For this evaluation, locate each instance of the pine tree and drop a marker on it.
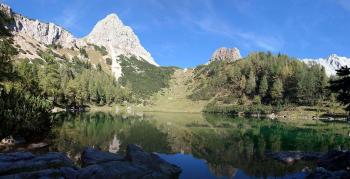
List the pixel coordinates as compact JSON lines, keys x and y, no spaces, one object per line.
{"x":263,"y":87}
{"x":277,"y":90}
{"x":342,"y":86}
{"x":251,"y":83}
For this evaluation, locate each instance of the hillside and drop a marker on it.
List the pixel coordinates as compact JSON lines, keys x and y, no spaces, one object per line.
{"x":175,"y":98}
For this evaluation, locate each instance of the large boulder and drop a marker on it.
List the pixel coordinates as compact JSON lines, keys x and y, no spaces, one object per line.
{"x":321,"y":173}
{"x":91,"y":156}
{"x":333,"y":164}
{"x":139,"y":157}
{"x":335,"y":160}
{"x":27,"y":165}
{"x":114,"y":169}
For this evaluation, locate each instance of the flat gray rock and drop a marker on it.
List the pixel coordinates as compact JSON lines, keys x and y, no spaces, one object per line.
{"x":26,"y":162}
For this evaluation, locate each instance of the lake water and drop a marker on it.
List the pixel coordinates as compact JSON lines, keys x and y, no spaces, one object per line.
{"x":204,"y":146}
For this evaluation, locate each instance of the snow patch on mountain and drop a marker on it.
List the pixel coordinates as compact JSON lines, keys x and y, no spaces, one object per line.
{"x":330,"y":64}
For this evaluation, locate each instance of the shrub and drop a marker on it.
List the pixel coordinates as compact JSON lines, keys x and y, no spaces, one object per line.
{"x":23,"y":114}
{"x":108,"y":61}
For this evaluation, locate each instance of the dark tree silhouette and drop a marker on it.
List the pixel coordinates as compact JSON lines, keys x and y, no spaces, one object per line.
{"x":341,"y":86}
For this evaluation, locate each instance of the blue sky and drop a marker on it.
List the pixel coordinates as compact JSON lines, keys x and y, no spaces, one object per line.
{"x":186,"y":32}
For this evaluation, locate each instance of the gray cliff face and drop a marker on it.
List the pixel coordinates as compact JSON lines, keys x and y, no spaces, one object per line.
{"x":46,"y":33}
{"x":110,"y":32}
{"x":118,"y":39}
{"x":223,"y":53}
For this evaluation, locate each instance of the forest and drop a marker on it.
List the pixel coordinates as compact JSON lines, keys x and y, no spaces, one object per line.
{"x":261,"y":80}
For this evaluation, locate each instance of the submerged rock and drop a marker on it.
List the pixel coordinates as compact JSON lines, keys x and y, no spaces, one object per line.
{"x":333,"y":164}
{"x":289,"y":157}
{"x":335,"y":160}
{"x":321,"y":173}
{"x":37,"y":145}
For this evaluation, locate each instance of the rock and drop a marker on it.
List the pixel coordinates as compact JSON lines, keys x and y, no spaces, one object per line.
{"x":114,"y":169}
{"x":12,"y":140}
{"x":289,"y":157}
{"x":118,"y":39}
{"x":231,"y":54}
{"x":109,"y":32}
{"x":63,"y":172}
{"x":25,"y":162}
{"x":333,"y":164}
{"x":92,"y":156}
{"x":47,"y":33}
{"x":37,"y":145}
{"x":321,"y":173}
{"x":17,"y":156}
{"x":335,"y":160}
{"x":97,"y":164}
{"x":330,"y":64}
{"x":137,"y":156}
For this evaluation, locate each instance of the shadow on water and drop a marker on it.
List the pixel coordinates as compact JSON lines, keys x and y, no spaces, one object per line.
{"x":203,"y":145}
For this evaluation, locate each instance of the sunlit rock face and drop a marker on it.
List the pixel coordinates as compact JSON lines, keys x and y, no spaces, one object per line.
{"x":109,"y":32}
{"x":46,"y":33}
{"x":330,"y":64}
{"x":223,"y":53}
{"x":115,"y":36}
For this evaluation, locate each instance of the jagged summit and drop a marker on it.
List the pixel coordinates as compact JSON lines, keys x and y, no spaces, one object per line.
{"x":117,"y":38}
{"x":109,"y":32}
{"x":224,"y":53}
{"x":330,"y":64}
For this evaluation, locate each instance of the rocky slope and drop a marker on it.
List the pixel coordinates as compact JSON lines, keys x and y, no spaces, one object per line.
{"x":31,"y":36}
{"x":224,"y":53}
{"x":331,"y":64}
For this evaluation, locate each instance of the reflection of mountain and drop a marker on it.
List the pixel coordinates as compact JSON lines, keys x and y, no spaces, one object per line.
{"x":114,"y":145}
{"x":225,"y":143}
{"x":223,"y":170}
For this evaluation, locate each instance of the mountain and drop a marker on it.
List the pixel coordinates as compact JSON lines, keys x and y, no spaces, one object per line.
{"x":119,"y":40}
{"x":224,"y":53}
{"x":109,"y":35}
{"x":331,"y":64}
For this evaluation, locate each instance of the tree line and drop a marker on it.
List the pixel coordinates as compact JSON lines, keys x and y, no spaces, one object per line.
{"x":261,"y":78}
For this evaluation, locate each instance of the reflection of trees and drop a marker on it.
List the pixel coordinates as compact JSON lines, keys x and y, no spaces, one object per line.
{"x":226,"y":143}
{"x":146,"y":135}
{"x":244,"y":142}
{"x":75,"y":132}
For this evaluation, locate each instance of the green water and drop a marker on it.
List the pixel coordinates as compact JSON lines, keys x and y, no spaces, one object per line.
{"x":205,"y":146}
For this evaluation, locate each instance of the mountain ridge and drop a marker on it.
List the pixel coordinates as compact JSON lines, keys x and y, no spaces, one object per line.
{"x":330,"y":64}
{"x":34,"y":35}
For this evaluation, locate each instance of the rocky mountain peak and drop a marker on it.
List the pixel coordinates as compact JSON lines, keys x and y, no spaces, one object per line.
{"x":118,"y":39}
{"x":6,"y":9}
{"x":331,"y":63}
{"x":223,"y":53}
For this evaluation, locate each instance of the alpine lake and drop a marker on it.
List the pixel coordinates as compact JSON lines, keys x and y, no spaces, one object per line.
{"x":203,"y":145}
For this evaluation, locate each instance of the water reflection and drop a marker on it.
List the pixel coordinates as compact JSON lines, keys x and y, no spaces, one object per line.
{"x":226,"y":146}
